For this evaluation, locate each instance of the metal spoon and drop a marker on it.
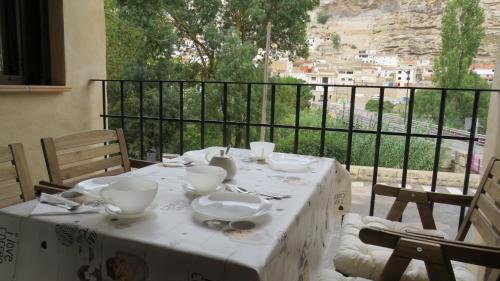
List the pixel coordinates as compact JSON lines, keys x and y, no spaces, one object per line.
{"x":268,"y":196}
{"x":62,"y":205}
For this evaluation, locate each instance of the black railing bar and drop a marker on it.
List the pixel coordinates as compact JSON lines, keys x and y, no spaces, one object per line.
{"x":141,"y":119}
{"x":297,"y":121}
{"x":377,"y":148}
{"x":181,"y":117}
{"x":350,"y":129}
{"x":387,"y":133}
{"x":295,"y":84}
{"x":224,"y":115}
{"x":247,"y":123}
{"x":470,"y":152}
{"x":437,"y":154}
{"x":122,"y":106}
{"x":273,"y":109}
{"x":104,"y":106}
{"x":324,"y":113}
{"x":160,"y":102}
{"x":202,"y":116}
{"x":409,"y":120}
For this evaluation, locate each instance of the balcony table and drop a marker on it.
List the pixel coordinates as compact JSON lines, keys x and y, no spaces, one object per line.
{"x":172,"y":243}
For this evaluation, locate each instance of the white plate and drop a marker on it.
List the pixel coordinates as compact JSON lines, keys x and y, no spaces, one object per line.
{"x":193,"y":190}
{"x":230,"y":206}
{"x":288,"y":162}
{"x":115,"y":212}
{"x":93,"y":186}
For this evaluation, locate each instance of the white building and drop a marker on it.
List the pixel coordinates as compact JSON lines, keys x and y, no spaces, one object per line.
{"x":405,"y":75}
{"x":367,"y":56}
{"x":386,"y":60}
{"x":345,"y":77}
{"x":485,"y":71}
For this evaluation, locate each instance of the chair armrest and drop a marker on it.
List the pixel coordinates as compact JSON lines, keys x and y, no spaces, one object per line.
{"x":482,"y":255}
{"x":134,"y":163}
{"x":423,"y":235}
{"x":420,"y":196}
{"x":50,"y":188}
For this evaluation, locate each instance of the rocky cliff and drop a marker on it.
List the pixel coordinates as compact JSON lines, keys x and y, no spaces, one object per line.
{"x":404,"y":27}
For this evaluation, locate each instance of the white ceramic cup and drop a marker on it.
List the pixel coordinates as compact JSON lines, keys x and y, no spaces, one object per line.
{"x":131,"y":194}
{"x":205,"y":179}
{"x":261,"y":149}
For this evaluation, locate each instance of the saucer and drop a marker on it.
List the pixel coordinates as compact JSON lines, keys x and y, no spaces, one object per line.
{"x":116,"y":212}
{"x":192,"y":189}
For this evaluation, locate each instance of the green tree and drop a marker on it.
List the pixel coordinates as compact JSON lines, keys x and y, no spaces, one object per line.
{"x":142,"y":37}
{"x":461,"y":34}
{"x":322,"y":17}
{"x":372,"y":106}
{"x":335,"y":38}
{"x":203,"y":26}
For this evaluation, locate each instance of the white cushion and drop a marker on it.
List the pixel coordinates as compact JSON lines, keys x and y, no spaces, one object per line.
{"x":355,"y":258}
{"x":332,"y":275}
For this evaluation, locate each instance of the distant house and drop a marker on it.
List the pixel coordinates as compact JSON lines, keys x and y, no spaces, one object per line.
{"x":485,"y":71}
{"x":346,"y":77}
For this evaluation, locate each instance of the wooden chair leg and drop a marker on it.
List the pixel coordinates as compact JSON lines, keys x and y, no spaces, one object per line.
{"x":425,"y":213}
{"x":492,"y":274}
{"x":396,"y":211}
{"x":440,"y":271}
{"x":394,"y":268}
{"x":438,"y":266}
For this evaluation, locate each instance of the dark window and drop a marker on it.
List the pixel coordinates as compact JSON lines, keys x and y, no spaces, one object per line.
{"x":24,"y":42}
{"x":325,"y":80}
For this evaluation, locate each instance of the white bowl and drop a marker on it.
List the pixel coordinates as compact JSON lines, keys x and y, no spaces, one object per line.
{"x":131,"y":194}
{"x":205,"y":179}
{"x":260,"y":149}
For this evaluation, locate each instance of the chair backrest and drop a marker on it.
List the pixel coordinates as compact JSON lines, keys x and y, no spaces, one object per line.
{"x":484,"y":212}
{"x":15,"y":179}
{"x":73,"y":158}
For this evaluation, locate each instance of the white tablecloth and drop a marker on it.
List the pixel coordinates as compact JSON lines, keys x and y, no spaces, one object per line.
{"x":172,"y":243}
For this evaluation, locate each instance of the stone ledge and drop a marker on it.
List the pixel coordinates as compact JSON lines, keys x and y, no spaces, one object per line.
{"x":390,"y":175}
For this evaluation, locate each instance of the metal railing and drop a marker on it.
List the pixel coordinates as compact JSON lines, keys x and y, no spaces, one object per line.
{"x":323,"y":129}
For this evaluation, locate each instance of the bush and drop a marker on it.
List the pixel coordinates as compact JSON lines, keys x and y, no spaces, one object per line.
{"x":363,"y":145}
{"x":323,"y":17}
{"x":372,"y":106}
{"x":335,"y":38}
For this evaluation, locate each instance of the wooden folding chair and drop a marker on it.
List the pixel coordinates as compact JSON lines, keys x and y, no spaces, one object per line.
{"x":15,"y":178}
{"x":437,"y":253}
{"x":77,"y":157}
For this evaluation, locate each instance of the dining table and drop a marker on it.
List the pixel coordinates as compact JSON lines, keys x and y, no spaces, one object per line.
{"x":172,"y":242}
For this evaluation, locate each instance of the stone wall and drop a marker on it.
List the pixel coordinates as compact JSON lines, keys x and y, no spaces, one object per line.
{"x":390,"y":175}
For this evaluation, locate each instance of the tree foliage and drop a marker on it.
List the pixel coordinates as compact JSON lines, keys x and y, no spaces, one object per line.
{"x":372,"y":106}
{"x":461,"y":34}
{"x":205,"y":25}
{"x":322,"y":17}
{"x":335,"y":38}
{"x":198,"y":40}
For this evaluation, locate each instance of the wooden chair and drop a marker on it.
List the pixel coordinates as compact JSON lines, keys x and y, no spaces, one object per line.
{"x":15,"y":178}
{"x":437,"y":252}
{"x":77,"y":157}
